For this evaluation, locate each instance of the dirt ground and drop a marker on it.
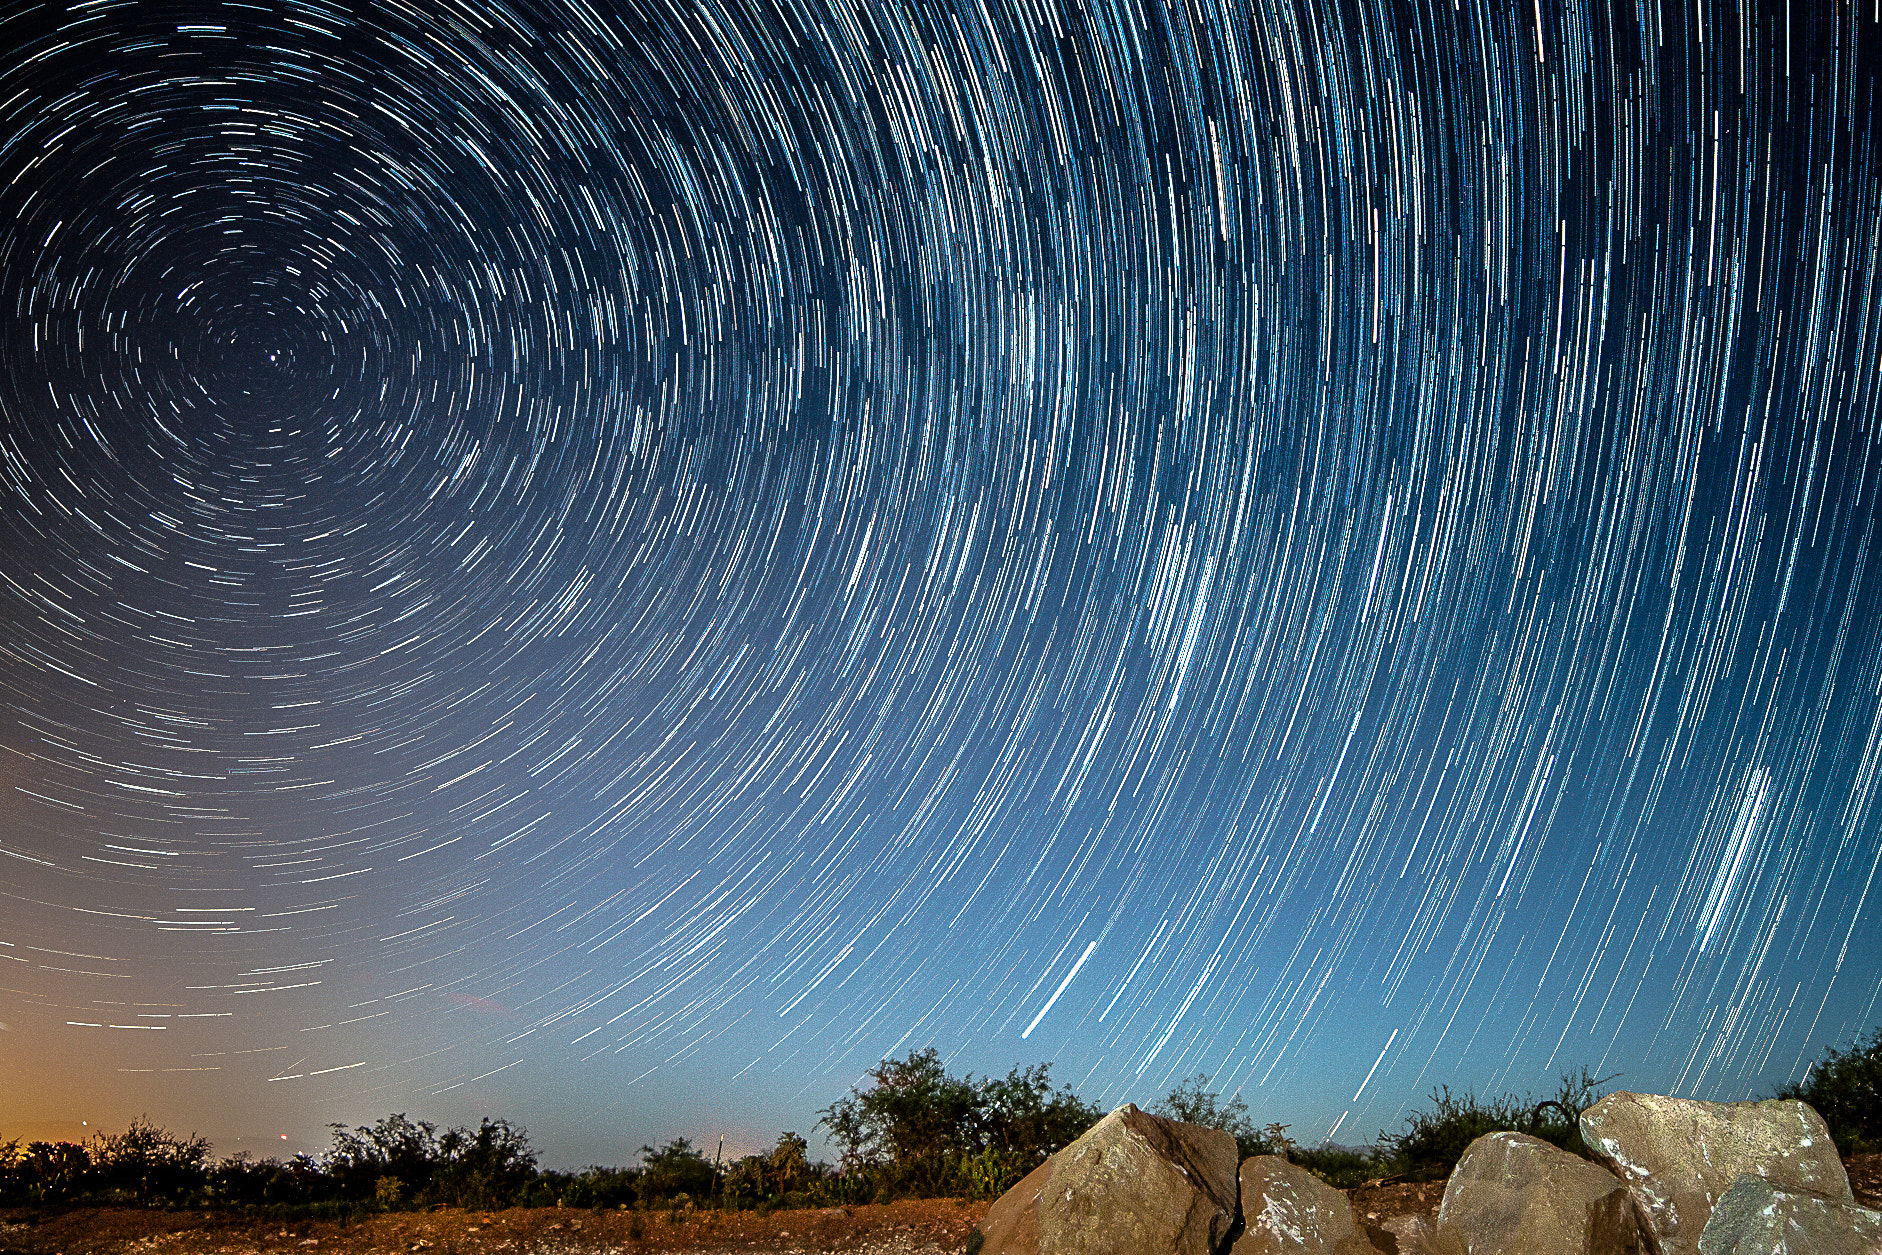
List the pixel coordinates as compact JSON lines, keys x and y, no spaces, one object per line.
{"x":911,"y":1227}
{"x":914,"y":1227}
{"x":1865,"y":1179}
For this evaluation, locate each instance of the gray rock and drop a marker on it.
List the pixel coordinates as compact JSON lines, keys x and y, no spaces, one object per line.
{"x":1512,"y":1194}
{"x":1134,"y":1184}
{"x":1678,"y":1155}
{"x":1410,"y":1235}
{"x":1287,"y":1210}
{"x":1755,"y":1217}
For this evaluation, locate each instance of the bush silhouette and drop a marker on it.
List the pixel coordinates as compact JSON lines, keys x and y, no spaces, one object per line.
{"x":1845,"y":1087}
{"x":1193,"y":1103}
{"x":1434,"y":1140}
{"x":404,"y":1150}
{"x":43,"y":1172}
{"x":397,"y":1162}
{"x":489,"y":1167}
{"x":147,"y":1165}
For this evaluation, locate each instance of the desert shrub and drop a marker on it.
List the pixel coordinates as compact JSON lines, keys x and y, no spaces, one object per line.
{"x":787,"y":1169}
{"x":674,"y":1169}
{"x":43,"y":1172}
{"x":1845,"y":1087}
{"x":242,"y":1181}
{"x":1193,"y":1102}
{"x":544,"y":1191}
{"x":990,"y":1173}
{"x":147,"y":1165}
{"x":1342,"y":1167}
{"x":398,"y":1162}
{"x":1023,"y":1114}
{"x":489,"y":1167}
{"x":1434,"y":1140}
{"x":783,"y":1172}
{"x":918,"y":1131}
{"x":405,"y":1150}
{"x":743,"y":1182}
{"x":906,"y":1127}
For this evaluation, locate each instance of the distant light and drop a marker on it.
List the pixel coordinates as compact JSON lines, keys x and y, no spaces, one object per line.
{"x":284,"y":1137}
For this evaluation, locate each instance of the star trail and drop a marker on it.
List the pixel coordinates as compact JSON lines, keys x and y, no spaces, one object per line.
{"x":614,"y":564}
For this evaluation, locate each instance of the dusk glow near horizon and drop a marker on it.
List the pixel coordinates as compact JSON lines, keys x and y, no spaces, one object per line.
{"x":613,"y":564}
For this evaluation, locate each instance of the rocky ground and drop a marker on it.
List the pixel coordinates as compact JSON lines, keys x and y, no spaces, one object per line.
{"x":912,"y":1227}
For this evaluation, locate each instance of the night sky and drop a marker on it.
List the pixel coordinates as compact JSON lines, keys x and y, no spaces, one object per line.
{"x":613,"y":565}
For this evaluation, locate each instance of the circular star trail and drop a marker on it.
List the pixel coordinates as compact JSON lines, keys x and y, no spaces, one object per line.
{"x":667,"y":551}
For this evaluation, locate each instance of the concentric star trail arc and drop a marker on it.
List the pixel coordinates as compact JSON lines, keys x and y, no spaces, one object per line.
{"x":665,"y":550}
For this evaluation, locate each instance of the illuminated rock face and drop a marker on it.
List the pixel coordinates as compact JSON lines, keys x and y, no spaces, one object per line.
{"x":1680,"y":1178}
{"x":1134,"y":1184}
{"x":1287,"y":1210}
{"x":1755,"y":1217}
{"x":1678,"y":1157}
{"x":1513,"y":1194}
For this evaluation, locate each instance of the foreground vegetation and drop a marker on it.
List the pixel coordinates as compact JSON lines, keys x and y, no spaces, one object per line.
{"x":913,"y":1131}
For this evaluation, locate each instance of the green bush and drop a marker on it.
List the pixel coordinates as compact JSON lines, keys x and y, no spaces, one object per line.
{"x":1845,"y":1087}
{"x":1341,"y":1167}
{"x":1193,"y":1103}
{"x":1434,"y":1140}
{"x":674,"y":1169}
{"x":916,"y":1131}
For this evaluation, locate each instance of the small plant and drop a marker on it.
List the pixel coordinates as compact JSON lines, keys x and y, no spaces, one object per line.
{"x":1845,"y":1087}
{"x":1279,"y":1142}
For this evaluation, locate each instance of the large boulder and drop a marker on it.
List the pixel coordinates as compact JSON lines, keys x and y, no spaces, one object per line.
{"x":1677,"y":1156}
{"x":1512,"y":1194}
{"x":1755,"y":1217}
{"x":1134,"y":1184}
{"x":1287,"y":1210}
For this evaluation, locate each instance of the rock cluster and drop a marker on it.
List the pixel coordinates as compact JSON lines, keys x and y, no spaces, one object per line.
{"x":1673,"y":1177}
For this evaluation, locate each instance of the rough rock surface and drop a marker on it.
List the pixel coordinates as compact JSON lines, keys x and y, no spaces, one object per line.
{"x":1287,"y":1210}
{"x":1512,"y":1194}
{"x":1134,"y":1184}
{"x":1410,"y":1234}
{"x":1755,"y":1217}
{"x":1677,"y":1156}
